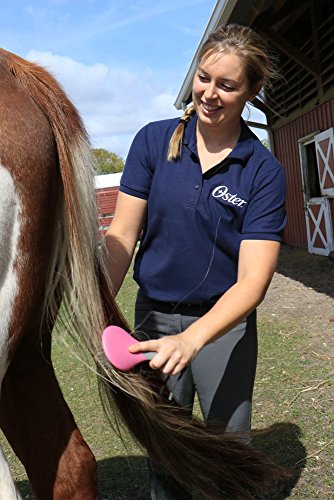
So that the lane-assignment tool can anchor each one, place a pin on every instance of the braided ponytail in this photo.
(175, 143)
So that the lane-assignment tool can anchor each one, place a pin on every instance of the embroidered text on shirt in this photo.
(222, 192)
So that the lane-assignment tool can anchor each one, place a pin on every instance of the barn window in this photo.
(311, 184)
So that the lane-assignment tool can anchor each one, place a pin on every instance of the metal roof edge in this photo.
(220, 15)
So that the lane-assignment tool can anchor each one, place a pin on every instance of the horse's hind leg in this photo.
(40, 427)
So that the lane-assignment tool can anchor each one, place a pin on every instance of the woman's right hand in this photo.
(174, 352)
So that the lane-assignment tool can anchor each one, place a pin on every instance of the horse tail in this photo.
(198, 455)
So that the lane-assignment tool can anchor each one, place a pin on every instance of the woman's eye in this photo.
(227, 88)
(203, 78)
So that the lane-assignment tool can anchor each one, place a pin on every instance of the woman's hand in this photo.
(174, 352)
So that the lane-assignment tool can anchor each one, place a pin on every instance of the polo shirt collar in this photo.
(242, 151)
(190, 134)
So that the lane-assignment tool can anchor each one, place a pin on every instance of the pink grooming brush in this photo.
(115, 343)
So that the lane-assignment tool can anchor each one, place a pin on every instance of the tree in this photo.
(265, 142)
(107, 162)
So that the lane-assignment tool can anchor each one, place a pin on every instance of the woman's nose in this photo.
(211, 91)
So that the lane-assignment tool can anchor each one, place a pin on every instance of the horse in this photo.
(51, 260)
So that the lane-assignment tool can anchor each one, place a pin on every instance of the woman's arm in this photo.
(256, 266)
(122, 236)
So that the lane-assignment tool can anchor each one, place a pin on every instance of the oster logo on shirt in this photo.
(233, 198)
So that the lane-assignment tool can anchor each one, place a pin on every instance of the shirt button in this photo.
(197, 186)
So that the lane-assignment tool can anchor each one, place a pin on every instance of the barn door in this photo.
(324, 146)
(317, 161)
(319, 226)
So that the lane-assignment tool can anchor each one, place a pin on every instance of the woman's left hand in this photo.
(174, 352)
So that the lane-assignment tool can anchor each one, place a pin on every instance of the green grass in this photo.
(293, 397)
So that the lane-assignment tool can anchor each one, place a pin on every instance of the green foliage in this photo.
(108, 162)
(265, 142)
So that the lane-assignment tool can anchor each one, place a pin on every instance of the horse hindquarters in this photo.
(33, 413)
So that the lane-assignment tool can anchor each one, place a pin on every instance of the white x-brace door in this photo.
(319, 226)
(324, 146)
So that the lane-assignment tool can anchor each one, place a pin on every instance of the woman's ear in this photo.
(256, 90)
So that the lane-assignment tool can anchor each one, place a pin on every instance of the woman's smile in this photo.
(211, 108)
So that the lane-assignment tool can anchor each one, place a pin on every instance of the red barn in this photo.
(106, 187)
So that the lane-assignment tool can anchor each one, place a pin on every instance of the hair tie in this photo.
(183, 120)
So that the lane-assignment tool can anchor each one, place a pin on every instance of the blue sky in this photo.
(122, 62)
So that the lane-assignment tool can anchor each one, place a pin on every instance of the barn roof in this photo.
(302, 34)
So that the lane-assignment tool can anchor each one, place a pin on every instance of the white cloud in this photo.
(113, 101)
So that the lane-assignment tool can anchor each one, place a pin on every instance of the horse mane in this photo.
(199, 456)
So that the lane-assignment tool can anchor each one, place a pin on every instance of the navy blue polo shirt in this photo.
(195, 222)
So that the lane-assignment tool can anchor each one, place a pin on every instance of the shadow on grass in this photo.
(120, 478)
(314, 271)
(126, 478)
(282, 443)
(123, 478)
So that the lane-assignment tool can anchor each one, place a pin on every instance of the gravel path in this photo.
(303, 291)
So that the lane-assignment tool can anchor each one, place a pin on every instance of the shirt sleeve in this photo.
(265, 217)
(138, 171)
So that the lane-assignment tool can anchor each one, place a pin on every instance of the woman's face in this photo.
(220, 90)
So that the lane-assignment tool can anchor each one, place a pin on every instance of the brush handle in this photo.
(116, 342)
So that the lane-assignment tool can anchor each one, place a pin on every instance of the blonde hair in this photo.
(259, 63)
(175, 143)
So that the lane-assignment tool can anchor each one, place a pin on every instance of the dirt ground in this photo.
(301, 299)
(303, 291)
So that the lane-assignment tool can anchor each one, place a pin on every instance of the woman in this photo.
(206, 199)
